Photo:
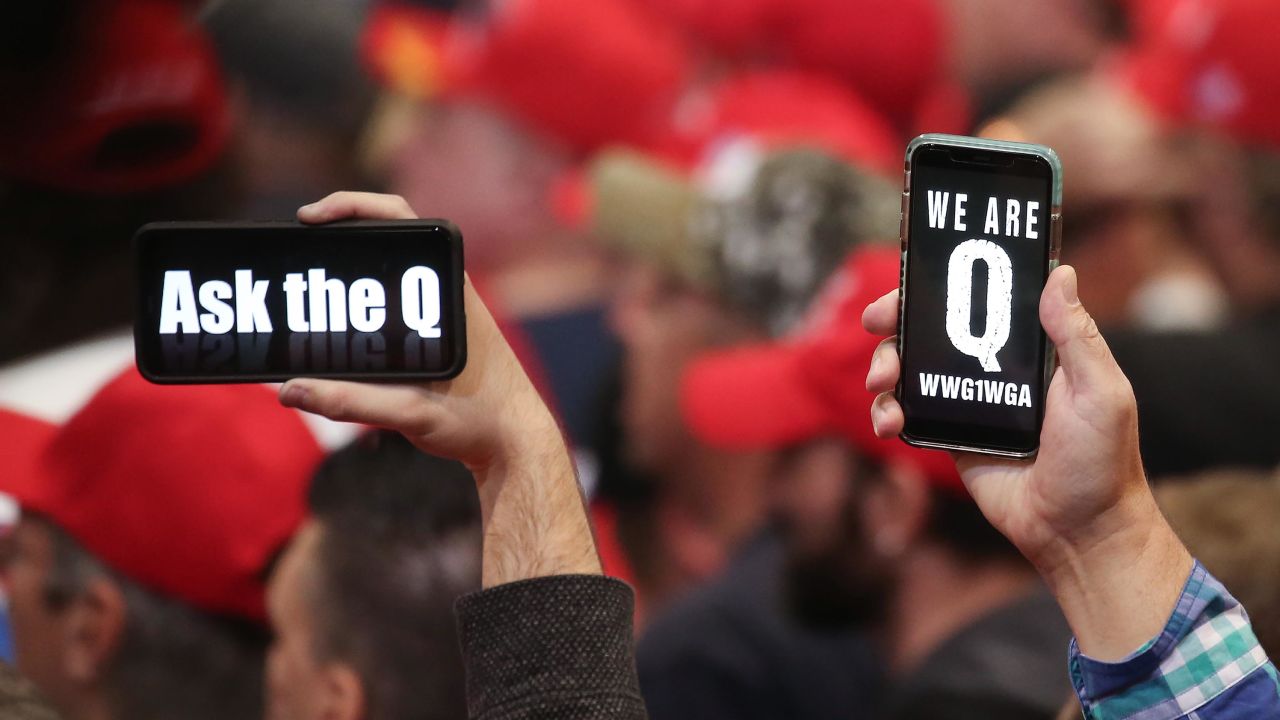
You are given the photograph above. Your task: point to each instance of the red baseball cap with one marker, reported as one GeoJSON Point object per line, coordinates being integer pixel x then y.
{"type": "Point", "coordinates": [403, 46]}
{"type": "Point", "coordinates": [783, 108]}
{"type": "Point", "coordinates": [810, 385]}
{"type": "Point", "coordinates": [1147, 17]}
{"type": "Point", "coordinates": [722, 130]}
{"type": "Point", "coordinates": [189, 490]}
{"type": "Point", "coordinates": [586, 72]}
{"type": "Point", "coordinates": [890, 51]}
{"type": "Point", "coordinates": [1212, 63]}
{"type": "Point", "coordinates": [141, 105]}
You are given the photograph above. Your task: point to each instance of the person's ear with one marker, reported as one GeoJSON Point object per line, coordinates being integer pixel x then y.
{"type": "Point", "coordinates": [94, 625]}
{"type": "Point", "coordinates": [343, 692]}
{"type": "Point", "coordinates": [896, 508]}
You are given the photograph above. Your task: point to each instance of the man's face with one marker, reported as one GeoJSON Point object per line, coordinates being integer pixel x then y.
{"type": "Point", "coordinates": [834, 576]}
{"type": "Point", "coordinates": [295, 679]}
{"type": "Point", "coordinates": [662, 325]}
{"type": "Point", "coordinates": [810, 494]}
{"type": "Point", "coordinates": [998, 42]}
{"type": "Point", "coordinates": [471, 165]}
{"type": "Point", "coordinates": [38, 628]}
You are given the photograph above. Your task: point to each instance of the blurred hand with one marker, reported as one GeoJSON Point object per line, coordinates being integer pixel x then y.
{"type": "Point", "coordinates": [490, 417]}
{"type": "Point", "coordinates": [1081, 511]}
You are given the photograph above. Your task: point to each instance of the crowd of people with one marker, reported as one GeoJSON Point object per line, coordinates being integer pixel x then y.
{"type": "Point", "coordinates": [668, 482]}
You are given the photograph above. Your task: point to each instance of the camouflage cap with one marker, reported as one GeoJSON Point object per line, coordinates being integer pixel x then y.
{"type": "Point", "coordinates": [761, 231]}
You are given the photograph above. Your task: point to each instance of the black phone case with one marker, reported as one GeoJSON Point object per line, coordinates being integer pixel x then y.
{"type": "Point", "coordinates": [458, 316]}
{"type": "Point", "coordinates": [1055, 244]}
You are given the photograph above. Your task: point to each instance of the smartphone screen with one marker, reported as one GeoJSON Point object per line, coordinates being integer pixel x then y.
{"type": "Point", "coordinates": [979, 243]}
{"type": "Point", "coordinates": [265, 302]}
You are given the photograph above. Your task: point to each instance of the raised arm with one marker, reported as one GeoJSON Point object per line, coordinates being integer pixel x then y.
{"type": "Point", "coordinates": [490, 417]}
{"type": "Point", "coordinates": [549, 637]}
{"type": "Point", "coordinates": [1083, 514]}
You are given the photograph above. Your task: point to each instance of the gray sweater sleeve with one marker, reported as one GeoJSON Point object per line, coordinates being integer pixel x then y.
{"type": "Point", "coordinates": [559, 648]}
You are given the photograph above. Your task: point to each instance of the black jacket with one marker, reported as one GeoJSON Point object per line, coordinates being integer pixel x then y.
{"type": "Point", "coordinates": [556, 648]}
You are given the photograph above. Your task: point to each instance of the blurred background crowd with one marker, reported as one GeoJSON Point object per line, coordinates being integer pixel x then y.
{"type": "Point", "coordinates": [677, 209]}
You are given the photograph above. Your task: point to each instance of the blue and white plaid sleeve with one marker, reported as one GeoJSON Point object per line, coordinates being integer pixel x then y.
{"type": "Point", "coordinates": [1205, 665]}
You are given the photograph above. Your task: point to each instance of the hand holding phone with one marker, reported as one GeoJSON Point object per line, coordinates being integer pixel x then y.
{"type": "Point", "coordinates": [1081, 511]}
{"type": "Point", "coordinates": [489, 417]}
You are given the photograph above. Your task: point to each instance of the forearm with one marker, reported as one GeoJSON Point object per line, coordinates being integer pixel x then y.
{"type": "Point", "coordinates": [535, 520]}
{"type": "Point", "coordinates": [1117, 586]}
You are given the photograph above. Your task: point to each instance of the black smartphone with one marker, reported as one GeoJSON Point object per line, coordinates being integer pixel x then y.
{"type": "Point", "coordinates": [981, 222]}
{"type": "Point", "coordinates": [265, 302]}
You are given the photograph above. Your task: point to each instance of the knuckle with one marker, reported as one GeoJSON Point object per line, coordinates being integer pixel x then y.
{"type": "Point", "coordinates": [884, 370]}
{"type": "Point", "coordinates": [1117, 402]}
{"type": "Point", "coordinates": [421, 422]}
{"type": "Point", "coordinates": [1087, 328]}
{"type": "Point", "coordinates": [338, 405]}
{"type": "Point", "coordinates": [1088, 336]}
{"type": "Point", "coordinates": [1126, 403]}
{"type": "Point", "coordinates": [397, 205]}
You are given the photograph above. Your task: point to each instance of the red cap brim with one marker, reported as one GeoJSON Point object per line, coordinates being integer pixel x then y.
{"type": "Point", "coordinates": [751, 398]}
{"type": "Point", "coordinates": [23, 440]}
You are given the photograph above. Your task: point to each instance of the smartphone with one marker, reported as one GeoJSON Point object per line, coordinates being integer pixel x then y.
{"type": "Point", "coordinates": [265, 302]}
{"type": "Point", "coordinates": [981, 227]}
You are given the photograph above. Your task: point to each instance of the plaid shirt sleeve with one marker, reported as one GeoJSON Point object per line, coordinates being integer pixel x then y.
{"type": "Point", "coordinates": [1205, 665]}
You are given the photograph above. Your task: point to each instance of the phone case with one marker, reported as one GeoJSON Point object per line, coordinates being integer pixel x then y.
{"type": "Point", "coordinates": [1055, 244]}
{"type": "Point", "coordinates": [459, 315]}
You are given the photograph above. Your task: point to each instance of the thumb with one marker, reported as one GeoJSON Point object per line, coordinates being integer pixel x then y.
{"type": "Point", "coordinates": [1082, 352]}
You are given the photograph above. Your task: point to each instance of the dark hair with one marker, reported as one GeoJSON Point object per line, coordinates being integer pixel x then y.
{"type": "Point", "coordinates": [400, 540]}
{"type": "Point", "coordinates": [846, 582]}
{"type": "Point", "coordinates": [68, 275]}
{"type": "Point", "coordinates": [956, 521]}
{"type": "Point", "coordinates": [173, 660]}
{"type": "Point", "coordinates": [1262, 177]}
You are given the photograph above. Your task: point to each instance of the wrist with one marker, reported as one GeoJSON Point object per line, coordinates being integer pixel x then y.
{"type": "Point", "coordinates": [532, 509]}
{"type": "Point", "coordinates": [534, 438]}
{"type": "Point", "coordinates": [1118, 579]}
{"type": "Point", "coordinates": [525, 434]}
{"type": "Point", "coordinates": [1113, 535]}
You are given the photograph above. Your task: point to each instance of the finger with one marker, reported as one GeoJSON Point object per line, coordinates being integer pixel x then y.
{"type": "Point", "coordinates": [1086, 360]}
{"type": "Point", "coordinates": [885, 367]}
{"type": "Point", "coordinates": [349, 205]}
{"type": "Point", "coordinates": [886, 416]}
{"type": "Point", "coordinates": [881, 316]}
{"type": "Point", "coordinates": [395, 407]}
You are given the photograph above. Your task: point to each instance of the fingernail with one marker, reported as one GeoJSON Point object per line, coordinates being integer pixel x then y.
{"type": "Point", "coordinates": [308, 209]}
{"type": "Point", "coordinates": [877, 412]}
{"type": "Point", "coordinates": [1070, 288]}
{"type": "Point", "coordinates": [294, 395]}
